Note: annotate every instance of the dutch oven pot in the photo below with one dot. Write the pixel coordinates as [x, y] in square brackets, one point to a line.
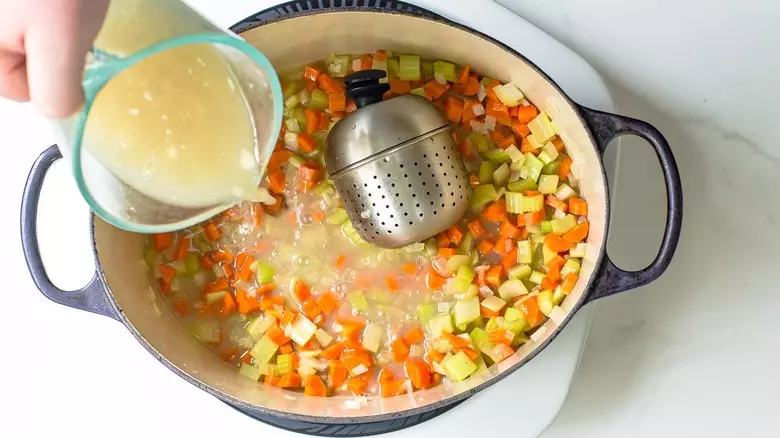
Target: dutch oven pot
[122, 291]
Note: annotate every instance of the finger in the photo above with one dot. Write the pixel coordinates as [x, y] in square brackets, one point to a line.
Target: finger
[56, 51]
[13, 77]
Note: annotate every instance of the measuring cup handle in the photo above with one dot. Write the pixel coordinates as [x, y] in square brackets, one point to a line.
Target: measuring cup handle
[91, 297]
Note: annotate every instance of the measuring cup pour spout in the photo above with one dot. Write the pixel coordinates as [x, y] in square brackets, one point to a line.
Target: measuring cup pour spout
[179, 121]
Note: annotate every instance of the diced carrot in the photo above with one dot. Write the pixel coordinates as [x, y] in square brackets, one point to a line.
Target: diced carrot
[502, 352]
[455, 234]
[565, 168]
[453, 109]
[312, 120]
[410, 269]
[246, 357]
[507, 141]
[487, 313]
[217, 285]
[311, 171]
[165, 288]
[265, 288]
[526, 113]
[337, 374]
[329, 85]
[311, 73]
[548, 283]
[212, 232]
[182, 247]
[306, 143]
[558, 143]
[364, 280]
[464, 75]
[468, 351]
[390, 388]
[495, 136]
[510, 259]
[275, 208]
[290, 380]
[485, 247]
[494, 107]
[447, 252]
[530, 309]
[434, 281]
[456, 341]
[520, 129]
[468, 110]
[443, 240]
[340, 262]
[578, 207]
[244, 263]
[476, 228]
[337, 102]
[494, 275]
[568, 283]
[354, 358]
[286, 349]
[351, 108]
[398, 86]
[578, 233]
[320, 320]
[180, 306]
[392, 283]
[271, 380]
[434, 356]
[556, 203]
[310, 86]
[167, 272]
[300, 290]
[471, 87]
[526, 146]
[229, 305]
[508, 230]
[310, 309]
[466, 150]
[385, 375]
[531, 193]
[314, 387]
[533, 218]
[556, 243]
[495, 212]
[278, 158]
[556, 263]
[399, 351]
[366, 62]
[162, 241]
[491, 94]
[327, 302]
[333, 351]
[288, 317]
[276, 182]
[419, 373]
[357, 385]
[268, 303]
[380, 55]
[434, 90]
[276, 334]
[207, 260]
[414, 336]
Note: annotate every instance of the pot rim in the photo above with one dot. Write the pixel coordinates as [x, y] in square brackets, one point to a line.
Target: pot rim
[250, 23]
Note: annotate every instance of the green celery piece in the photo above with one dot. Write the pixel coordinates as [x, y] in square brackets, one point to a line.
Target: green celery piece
[466, 273]
[515, 327]
[292, 76]
[522, 185]
[292, 101]
[546, 227]
[513, 314]
[479, 336]
[318, 100]
[212, 298]
[514, 202]
[264, 350]
[455, 262]
[264, 272]
[440, 324]
[426, 68]
[548, 255]
[558, 296]
[538, 262]
[206, 331]
[476, 324]
[536, 233]
[551, 168]
[338, 65]
[545, 301]
[548, 184]
[296, 161]
[409, 67]
[480, 141]
[511, 289]
[524, 252]
[393, 68]
[533, 166]
[467, 243]
[348, 229]
[291, 125]
[431, 249]
[486, 81]
[466, 311]
[150, 257]
[419, 91]
[259, 325]
[520, 272]
[485, 174]
[501, 175]
[560, 226]
[492, 324]
[459, 366]
[446, 69]
[572, 266]
[542, 128]
[300, 116]
[358, 301]
[545, 158]
[284, 363]
[481, 196]
[533, 203]
[250, 371]
[459, 286]
[536, 277]
[268, 369]
[381, 296]
[427, 310]
[498, 156]
[191, 263]
[292, 89]
[337, 217]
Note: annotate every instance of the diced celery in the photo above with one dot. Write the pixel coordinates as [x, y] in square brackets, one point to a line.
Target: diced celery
[548, 184]
[318, 100]
[268, 369]
[493, 303]
[393, 68]
[542, 128]
[358, 301]
[515, 155]
[467, 243]
[481, 196]
[292, 101]
[565, 192]
[534, 142]
[498, 156]
[301, 330]
[551, 168]
[381, 296]
[485, 174]
[372, 337]
[533, 203]
[430, 247]
[259, 325]
[486, 81]
[323, 337]
[206, 331]
[415, 247]
[536, 277]
[522, 185]
[264, 272]
[455, 262]
[264, 350]
[296, 161]
[560, 226]
[516, 327]
[548, 255]
[212, 298]
[479, 336]
[509, 94]
[250, 371]
[337, 217]
[520, 272]
[578, 250]
[338, 65]
[513, 314]
[442, 345]
[514, 202]
[409, 67]
[291, 125]
[517, 166]
[459, 366]
[419, 91]
[558, 296]
[533, 166]
[298, 114]
[480, 141]
[545, 301]
[512, 289]
[150, 257]
[348, 229]
[381, 65]
[501, 175]
[466, 273]
[426, 69]
[191, 264]
[524, 252]
[446, 69]
[492, 324]
[284, 363]
[545, 158]
[440, 324]
[293, 88]
[546, 227]
[472, 290]
[427, 310]
[536, 233]
[466, 311]
[457, 286]
[551, 150]
[572, 266]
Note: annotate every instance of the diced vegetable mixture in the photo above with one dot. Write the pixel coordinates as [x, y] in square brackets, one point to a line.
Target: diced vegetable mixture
[288, 293]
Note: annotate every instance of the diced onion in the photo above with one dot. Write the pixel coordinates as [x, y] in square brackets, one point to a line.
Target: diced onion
[444, 306]
[481, 94]
[358, 370]
[356, 64]
[440, 267]
[485, 291]
[490, 123]
[305, 96]
[417, 350]
[537, 335]
[559, 214]
[557, 315]
[478, 110]
[582, 219]
[478, 127]
[574, 182]
[291, 140]
[440, 78]
[481, 268]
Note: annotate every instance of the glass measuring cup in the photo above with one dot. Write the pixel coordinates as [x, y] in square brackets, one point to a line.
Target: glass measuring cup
[180, 118]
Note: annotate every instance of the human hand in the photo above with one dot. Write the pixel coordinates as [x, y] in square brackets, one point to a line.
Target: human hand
[43, 47]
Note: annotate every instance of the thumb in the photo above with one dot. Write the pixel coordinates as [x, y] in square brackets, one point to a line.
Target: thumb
[13, 76]
[56, 47]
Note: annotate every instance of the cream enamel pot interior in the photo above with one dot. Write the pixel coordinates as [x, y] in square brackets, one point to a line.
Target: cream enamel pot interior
[122, 290]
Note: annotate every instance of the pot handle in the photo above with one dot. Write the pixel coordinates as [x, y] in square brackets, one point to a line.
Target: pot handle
[91, 297]
[605, 128]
